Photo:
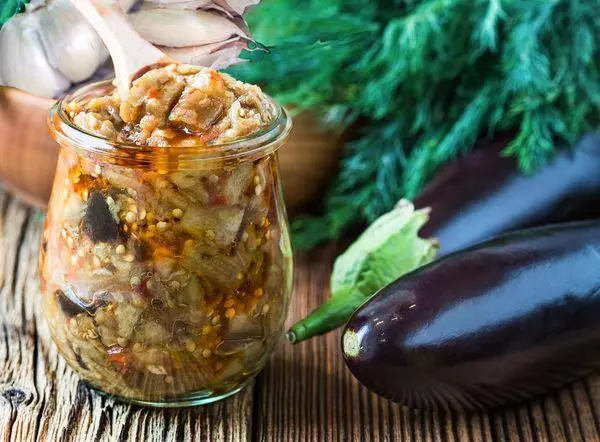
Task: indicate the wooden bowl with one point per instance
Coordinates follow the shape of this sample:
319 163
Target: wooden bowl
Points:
308 162
29 154
27 150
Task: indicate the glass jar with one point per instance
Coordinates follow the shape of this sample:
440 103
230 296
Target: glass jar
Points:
166 272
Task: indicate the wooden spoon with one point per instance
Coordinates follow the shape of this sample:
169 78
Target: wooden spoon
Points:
130 53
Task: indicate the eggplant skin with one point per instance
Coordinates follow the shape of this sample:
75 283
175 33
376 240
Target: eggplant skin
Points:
504 321
483 194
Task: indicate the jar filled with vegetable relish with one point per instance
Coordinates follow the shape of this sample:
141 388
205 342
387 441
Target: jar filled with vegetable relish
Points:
166 263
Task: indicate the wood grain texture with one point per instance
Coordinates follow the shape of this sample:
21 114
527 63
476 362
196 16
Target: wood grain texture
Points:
304 394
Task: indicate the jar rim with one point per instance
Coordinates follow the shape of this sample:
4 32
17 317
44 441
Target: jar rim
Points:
257 144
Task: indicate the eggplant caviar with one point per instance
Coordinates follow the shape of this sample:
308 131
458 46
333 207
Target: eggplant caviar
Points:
498 323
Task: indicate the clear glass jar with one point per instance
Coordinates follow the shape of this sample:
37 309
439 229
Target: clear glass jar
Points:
166 273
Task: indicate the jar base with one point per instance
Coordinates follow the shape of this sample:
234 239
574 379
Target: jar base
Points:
190 400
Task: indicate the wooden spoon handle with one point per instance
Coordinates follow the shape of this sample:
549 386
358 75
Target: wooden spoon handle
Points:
130 53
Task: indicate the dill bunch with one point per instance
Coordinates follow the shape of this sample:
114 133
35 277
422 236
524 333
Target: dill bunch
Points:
8 8
423 80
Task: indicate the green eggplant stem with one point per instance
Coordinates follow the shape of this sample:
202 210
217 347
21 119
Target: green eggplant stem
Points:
328 316
389 248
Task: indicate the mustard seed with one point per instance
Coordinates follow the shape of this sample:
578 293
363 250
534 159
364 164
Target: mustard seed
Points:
190 346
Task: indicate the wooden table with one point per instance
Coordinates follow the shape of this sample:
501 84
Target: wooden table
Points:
305 393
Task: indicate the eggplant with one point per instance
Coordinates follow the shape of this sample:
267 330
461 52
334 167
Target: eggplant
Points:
500 322
98 221
72 305
483 194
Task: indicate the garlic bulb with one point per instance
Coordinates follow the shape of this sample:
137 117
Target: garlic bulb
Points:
76 53
51 46
20 40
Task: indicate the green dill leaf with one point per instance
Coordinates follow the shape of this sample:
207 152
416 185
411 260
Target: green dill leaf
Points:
423 80
10 8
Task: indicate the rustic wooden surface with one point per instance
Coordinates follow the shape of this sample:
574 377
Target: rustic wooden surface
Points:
304 394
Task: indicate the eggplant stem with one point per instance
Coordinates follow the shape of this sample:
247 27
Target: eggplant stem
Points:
325 318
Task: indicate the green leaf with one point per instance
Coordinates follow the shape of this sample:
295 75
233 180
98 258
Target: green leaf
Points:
388 249
10 8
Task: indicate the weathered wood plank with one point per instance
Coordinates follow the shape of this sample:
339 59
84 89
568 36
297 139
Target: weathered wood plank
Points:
306 393
41 399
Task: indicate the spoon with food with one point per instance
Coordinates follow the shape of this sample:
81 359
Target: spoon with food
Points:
131 54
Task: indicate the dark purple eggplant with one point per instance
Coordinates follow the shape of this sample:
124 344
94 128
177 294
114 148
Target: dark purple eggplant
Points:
72 305
98 221
500 322
483 194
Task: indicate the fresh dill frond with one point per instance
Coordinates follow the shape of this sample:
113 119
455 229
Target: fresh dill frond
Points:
425 79
8 8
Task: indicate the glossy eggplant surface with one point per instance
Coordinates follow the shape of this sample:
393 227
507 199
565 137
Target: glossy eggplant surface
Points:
500 322
484 194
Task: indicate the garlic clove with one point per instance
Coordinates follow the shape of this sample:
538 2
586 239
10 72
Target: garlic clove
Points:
24 65
72 46
178 28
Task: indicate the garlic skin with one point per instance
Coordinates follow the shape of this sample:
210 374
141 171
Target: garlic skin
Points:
179 4
216 56
51 46
238 6
126 5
